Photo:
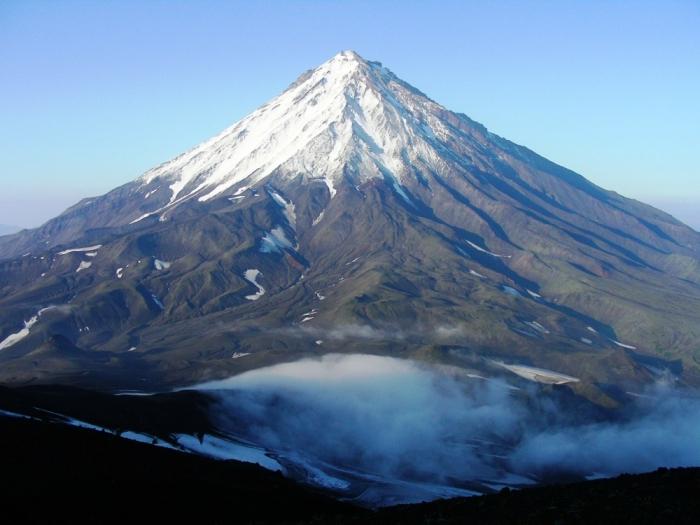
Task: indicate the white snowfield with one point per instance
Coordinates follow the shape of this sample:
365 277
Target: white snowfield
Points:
348 118
86 249
252 277
539 375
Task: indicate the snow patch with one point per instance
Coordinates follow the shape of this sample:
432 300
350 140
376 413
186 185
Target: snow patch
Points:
18 336
319 218
401 192
238 355
7 413
331 187
537 326
539 375
137 436
157 301
119 273
483 250
510 291
84 265
86 249
288 206
275 241
161 265
316 476
151 192
623 345
219 448
142 217
251 276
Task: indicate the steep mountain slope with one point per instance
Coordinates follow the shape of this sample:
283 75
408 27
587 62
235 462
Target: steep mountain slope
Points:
353 213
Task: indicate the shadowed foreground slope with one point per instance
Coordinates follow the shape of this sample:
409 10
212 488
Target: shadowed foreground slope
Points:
58 474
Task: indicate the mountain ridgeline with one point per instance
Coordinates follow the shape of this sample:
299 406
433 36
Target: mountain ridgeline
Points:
353 214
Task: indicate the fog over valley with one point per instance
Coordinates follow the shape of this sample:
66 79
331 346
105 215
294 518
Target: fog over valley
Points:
352 421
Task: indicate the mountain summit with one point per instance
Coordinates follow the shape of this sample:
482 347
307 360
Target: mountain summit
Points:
353 213
349 120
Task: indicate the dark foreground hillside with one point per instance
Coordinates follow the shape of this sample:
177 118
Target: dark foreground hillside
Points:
52 473
664 496
57 474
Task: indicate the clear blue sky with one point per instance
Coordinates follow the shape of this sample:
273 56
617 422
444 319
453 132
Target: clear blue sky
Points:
94 93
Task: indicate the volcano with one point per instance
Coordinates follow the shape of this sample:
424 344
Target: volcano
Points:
352 213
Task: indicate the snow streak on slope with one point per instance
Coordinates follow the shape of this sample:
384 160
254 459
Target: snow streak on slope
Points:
24 332
347 117
18 336
77 250
539 375
275 241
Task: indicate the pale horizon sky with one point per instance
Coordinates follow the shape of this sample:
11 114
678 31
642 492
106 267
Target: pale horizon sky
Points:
95 93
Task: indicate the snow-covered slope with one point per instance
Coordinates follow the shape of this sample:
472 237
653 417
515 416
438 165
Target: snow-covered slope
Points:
347 118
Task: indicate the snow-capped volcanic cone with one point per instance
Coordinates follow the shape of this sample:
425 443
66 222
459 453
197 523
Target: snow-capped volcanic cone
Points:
351 213
347 120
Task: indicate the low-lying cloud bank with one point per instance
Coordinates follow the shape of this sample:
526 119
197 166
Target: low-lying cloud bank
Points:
401 419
